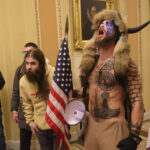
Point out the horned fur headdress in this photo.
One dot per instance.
(121, 50)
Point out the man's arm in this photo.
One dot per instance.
(28, 109)
(15, 93)
(135, 96)
(26, 104)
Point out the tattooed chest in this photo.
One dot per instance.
(103, 111)
(105, 82)
(103, 76)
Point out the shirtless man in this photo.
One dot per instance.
(112, 82)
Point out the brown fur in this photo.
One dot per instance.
(121, 51)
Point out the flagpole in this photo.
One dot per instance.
(66, 29)
(59, 95)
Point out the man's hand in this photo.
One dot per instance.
(130, 143)
(34, 129)
(15, 116)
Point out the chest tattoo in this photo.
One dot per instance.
(105, 112)
(106, 79)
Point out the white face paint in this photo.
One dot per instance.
(108, 27)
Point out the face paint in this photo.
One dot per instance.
(108, 26)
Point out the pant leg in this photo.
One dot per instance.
(45, 138)
(25, 139)
(2, 136)
(105, 135)
(113, 133)
(62, 145)
(54, 141)
(90, 141)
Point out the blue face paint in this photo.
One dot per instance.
(108, 26)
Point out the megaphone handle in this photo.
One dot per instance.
(84, 91)
(81, 125)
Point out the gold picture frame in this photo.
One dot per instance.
(79, 41)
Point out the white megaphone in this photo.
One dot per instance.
(75, 111)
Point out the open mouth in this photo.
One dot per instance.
(100, 32)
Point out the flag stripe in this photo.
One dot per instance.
(55, 127)
(56, 103)
(56, 112)
(59, 91)
(57, 121)
(58, 98)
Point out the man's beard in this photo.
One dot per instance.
(105, 41)
(34, 76)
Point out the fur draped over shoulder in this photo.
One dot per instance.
(121, 50)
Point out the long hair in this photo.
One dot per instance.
(43, 85)
(22, 66)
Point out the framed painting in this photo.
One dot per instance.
(83, 13)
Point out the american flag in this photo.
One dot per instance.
(60, 93)
(148, 141)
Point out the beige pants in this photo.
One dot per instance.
(105, 135)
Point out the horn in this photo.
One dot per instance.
(137, 29)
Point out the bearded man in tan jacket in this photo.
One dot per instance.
(34, 91)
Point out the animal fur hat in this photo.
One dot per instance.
(121, 50)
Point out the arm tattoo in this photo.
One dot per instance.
(134, 85)
(135, 95)
(135, 128)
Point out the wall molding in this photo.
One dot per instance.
(139, 39)
(143, 8)
(59, 20)
(38, 23)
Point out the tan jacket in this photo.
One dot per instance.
(34, 105)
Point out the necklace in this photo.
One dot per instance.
(99, 65)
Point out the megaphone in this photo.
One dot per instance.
(75, 111)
